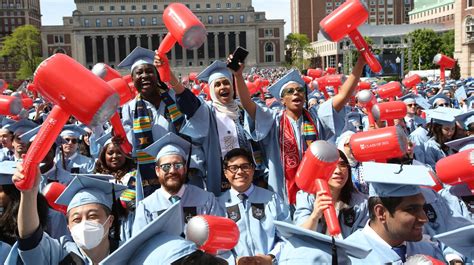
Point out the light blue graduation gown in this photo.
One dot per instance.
(55, 174)
(350, 219)
(4, 250)
(57, 224)
(195, 201)
(419, 137)
(76, 162)
(382, 254)
(457, 206)
(255, 221)
(266, 129)
(433, 153)
(5, 155)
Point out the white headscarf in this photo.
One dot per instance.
(231, 109)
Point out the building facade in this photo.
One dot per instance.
(464, 36)
(13, 14)
(106, 31)
(433, 12)
(306, 14)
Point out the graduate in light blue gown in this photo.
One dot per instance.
(68, 156)
(172, 156)
(412, 120)
(6, 139)
(461, 240)
(466, 121)
(395, 229)
(90, 219)
(19, 145)
(4, 251)
(441, 130)
(350, 205)
(253, 209)
(287, 134)
(302, 246)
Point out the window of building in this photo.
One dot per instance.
(231, 19)
(268, 32)
(470, 28)
(91, 8)
(120, 22)
(242, 19)
(188, 6)
(218, 5)
(220, 19)
(198, 6)
(112, 8)
(228, 5)
(155, 7)
(86, 23)
(209, 20)
(97, 22)
(134, 7)
(238, 5)
(144, 7)
(58, 38)
(131, 21)
(101, 8)
(269, 52)
(109, 22)
(470, 3)
(122, 8)
(208, 6)
(154, 21)
(143, 21)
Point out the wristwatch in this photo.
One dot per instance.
(274, 259)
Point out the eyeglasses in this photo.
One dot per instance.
(442, 105)
(245, 167)
(411, 105)
(70, 140)
(290, 91)
(167, 167)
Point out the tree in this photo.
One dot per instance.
(23, 48)
(455, 72)
(298, 44)
(425, 45)
(447, 43)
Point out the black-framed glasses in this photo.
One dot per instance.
(411, 105)
(167, 167)
(442, 105)
(292, 90)
(70, 140)
(245, 167)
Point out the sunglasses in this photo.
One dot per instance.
(70, 140)
(245, 167)
(411, 105)
(167, 167)
(442, 105)
(291, 91)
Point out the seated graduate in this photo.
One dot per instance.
(68, 156)
(303, 246)
(350, 205)
(90, 221)
(253, 209)
(172, 162)
(160, 243)
(395, 229)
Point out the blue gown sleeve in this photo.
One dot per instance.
(330, 122)
(259, 128)
(4, 250)
(432, 153)
(141, 218)
(39, 248)
(304, 207)
(187, 103)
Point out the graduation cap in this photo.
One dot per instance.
(470, 102)
(408, 98)
(72, 130)
(87, 189)
(137, 57)
(105, 139)
(158, 243)
(461, 240)
(7, 122)
(441, 115)
(7, 169)
(21, 126)
(293, 76)
(394, 180)
(465, 119)
(217, 69)
(422, 102)
(462, 143)
(437, 97)
(321, 241)
(169, 144)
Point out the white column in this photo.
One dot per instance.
(206, 53)
(237, 40)
(150, 42)
(106, 50)
(226, 38)
(216, 45)
(127, 44)
(139, 40)
(116, 48)
(94, 49)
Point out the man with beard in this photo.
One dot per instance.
(396, 212)
(172, 159)
(150, 115)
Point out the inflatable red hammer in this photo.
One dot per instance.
(390, 90)
(379, 144)
(344, 21)
(367, 100)
(212, 233)
(51, 192)
(331, 71)
(62, 81)
(444, 63)
(330, 80)
(10, 105)
(389, 111)
(316, 168)
(411, 82)
(457, 168)
(315, 73)
(185, 28)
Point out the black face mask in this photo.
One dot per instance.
(1, 210)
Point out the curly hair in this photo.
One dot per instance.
(102, 168)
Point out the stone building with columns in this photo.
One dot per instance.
(464, 36)
(106, 31)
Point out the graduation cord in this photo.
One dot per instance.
(334, 251)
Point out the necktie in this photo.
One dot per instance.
(412, 125)
(242, 197)
(401, 251)
(174, 199)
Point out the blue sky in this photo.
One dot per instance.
(54, 10)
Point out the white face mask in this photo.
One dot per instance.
(88, 234)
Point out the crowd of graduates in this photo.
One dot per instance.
(231, 144)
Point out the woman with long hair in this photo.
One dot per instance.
(441, 129)
(350, 204)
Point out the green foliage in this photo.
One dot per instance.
(425, 45)
(447, 43)
(298, 44)
(455, 72)
(23, 48)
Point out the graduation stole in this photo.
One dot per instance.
(289, 149)
(172, 112)
(142, 129)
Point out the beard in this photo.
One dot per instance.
(172, 183)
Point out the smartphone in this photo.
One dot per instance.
(238, 56)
